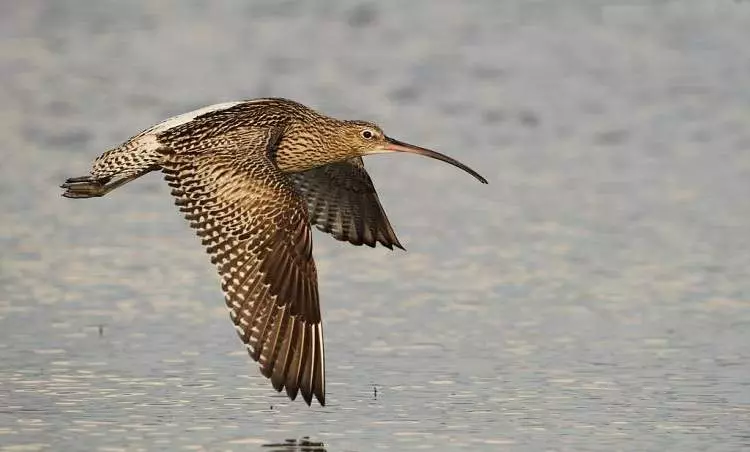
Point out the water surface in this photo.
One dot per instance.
(594, 296)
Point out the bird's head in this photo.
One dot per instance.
(364, 138)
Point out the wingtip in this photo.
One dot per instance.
(396, 244)
(292, 392)
(390, 243)
(277, 383)
(308, 394)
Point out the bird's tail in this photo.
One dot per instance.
(85, 187)
(114, 168)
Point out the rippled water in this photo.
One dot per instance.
(594, 296)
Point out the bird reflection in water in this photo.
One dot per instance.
(297, 445)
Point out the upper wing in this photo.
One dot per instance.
(341, 199)
(255, 227)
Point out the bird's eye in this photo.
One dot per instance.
(367, 134)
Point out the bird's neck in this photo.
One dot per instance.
(297, 151)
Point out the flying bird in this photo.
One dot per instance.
(251, 177)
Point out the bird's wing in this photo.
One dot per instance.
(256, 229)
(341, 199)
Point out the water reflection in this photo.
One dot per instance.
(303, 444)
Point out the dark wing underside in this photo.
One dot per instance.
(255, 226)
(341, 199)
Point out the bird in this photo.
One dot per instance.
(252, 177)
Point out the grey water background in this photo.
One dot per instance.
(594, 296)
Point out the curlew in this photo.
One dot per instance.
(251, 177)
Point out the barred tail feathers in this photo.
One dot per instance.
(116, 167)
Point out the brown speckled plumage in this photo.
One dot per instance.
(251, 177)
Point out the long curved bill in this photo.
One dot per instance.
(399, 146)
